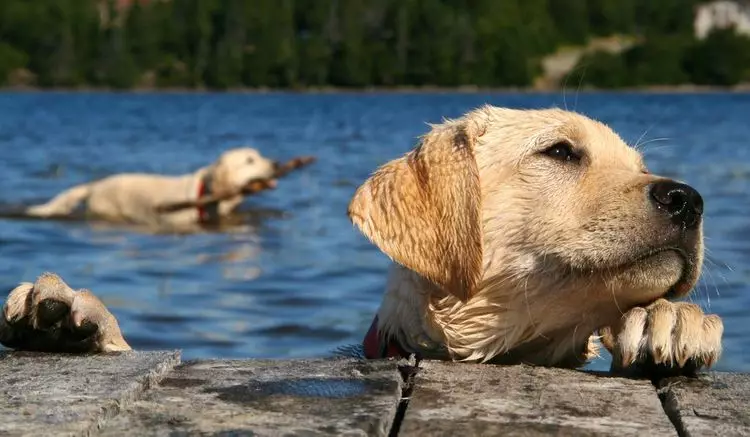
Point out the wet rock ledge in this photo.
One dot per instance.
(154, 393)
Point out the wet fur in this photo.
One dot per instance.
(504, 255)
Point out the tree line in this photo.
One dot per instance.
(221, 44)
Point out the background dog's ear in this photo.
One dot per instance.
(219, 177)
(423, 209)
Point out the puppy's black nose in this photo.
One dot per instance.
(681, 202)
(276, 165)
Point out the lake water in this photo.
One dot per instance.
(299, 280)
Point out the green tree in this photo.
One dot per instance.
(601, 69)
(350, 60)
(50, 40)
(504, 55)
(571, 20)
(171, 67)
(291, 43)
(659, 61)
(270, 56)
(142, 26)
(195, 30)
(722, 58)
(114, 65)
(538, 30)
(607, 17)
(665, 16)
(10, 59)
(432, 55)
(225, 68)
(313, 40)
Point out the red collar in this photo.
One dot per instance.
(376, 348)
(202, 191)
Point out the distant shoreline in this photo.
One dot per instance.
(676, 89)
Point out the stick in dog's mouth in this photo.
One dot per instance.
(251, 187)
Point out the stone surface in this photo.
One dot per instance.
(295, 397)
(57, 394)
(451, 399)
(715, 404)
(148, 393)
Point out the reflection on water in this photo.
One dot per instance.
(291, 277)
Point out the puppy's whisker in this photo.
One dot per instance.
(614, 299)
(716, 263)
(570, 74)
(656, 148)
(710, 276)
(528, 305)
(641, 146)
(573, 340)
(713, 270)
(638, 141)
(709, 279)
(578, 89)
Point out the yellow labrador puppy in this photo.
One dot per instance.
(134, 197)
(517, 236)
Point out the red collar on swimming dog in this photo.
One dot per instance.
(202, 191)
(376, 348)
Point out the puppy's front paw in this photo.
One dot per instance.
(665, 338)
(49, 316)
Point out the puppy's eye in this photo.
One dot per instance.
(562, 151)
(250, 160)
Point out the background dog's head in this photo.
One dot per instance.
(509, 199)
(235, 168)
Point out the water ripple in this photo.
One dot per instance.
(299, 280)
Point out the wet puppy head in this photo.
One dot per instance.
(509, 199)
(236, 167)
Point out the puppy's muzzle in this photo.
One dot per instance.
(680, 202)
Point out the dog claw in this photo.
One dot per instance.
(49, 316)
(667, 337)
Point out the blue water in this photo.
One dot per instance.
(297, 280)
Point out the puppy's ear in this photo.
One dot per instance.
(423, 209)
